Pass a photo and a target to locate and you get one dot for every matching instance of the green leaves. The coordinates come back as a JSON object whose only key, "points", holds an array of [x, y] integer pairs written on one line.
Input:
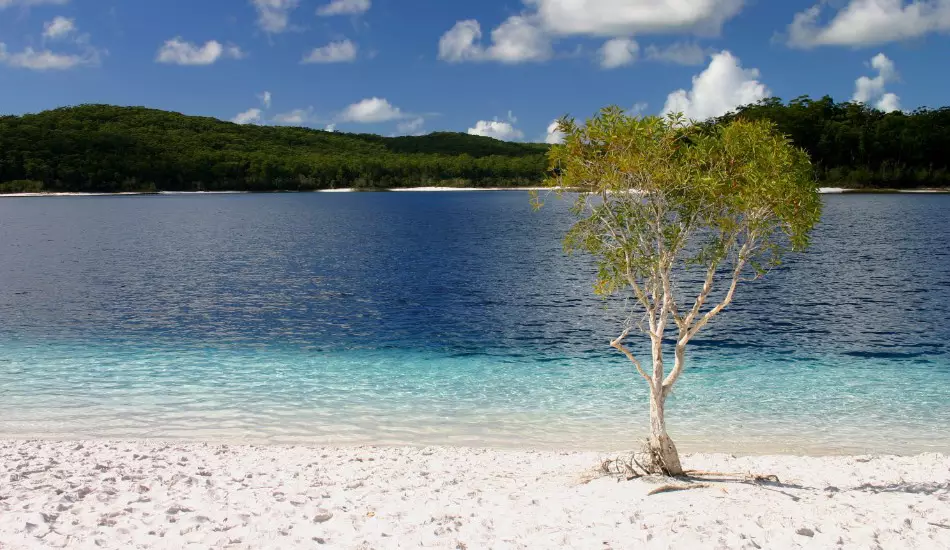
{"points": [[655, 195]]}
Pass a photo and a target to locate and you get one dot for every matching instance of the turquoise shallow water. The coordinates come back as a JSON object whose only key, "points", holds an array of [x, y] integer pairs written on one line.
{"points": [[448, 319]]}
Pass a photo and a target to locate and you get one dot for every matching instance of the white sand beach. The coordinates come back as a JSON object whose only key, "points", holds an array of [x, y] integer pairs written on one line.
{"points": [[176, 495]]}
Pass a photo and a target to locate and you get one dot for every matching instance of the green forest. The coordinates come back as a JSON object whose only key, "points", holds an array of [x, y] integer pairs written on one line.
{"points": [[855, 146], [102, 148]]}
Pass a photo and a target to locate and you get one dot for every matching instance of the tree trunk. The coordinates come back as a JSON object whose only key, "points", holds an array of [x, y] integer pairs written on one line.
{"points": [[664, 452]]}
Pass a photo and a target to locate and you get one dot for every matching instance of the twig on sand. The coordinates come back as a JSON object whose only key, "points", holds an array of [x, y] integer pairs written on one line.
{"points": [[671, 488], [943, 525], [757, 478]]}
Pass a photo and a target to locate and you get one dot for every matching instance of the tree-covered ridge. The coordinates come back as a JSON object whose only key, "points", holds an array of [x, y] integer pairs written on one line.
{"points": [[855, 146], [102, 148], [105, 149]]}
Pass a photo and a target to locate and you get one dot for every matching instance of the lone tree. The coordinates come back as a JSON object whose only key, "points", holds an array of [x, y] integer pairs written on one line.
{"points": [[677, 216]]}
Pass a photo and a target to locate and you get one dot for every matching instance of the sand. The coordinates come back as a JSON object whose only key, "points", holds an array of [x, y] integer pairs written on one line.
{"points": [[175, 495]]}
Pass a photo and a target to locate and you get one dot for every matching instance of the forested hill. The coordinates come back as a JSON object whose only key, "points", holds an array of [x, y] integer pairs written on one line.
{"points": [[104, 148], [855, 146]]}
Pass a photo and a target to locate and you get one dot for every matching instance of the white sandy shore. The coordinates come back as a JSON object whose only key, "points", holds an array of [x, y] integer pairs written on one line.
{"points": [[170, 495]]}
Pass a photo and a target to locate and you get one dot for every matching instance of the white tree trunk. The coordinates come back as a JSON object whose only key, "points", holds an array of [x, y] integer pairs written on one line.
{"points": [[661, 445]]}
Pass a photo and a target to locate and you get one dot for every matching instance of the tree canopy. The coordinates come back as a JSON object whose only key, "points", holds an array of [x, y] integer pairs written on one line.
{"points": [[105, 149], [677, 216], [855, 146]]}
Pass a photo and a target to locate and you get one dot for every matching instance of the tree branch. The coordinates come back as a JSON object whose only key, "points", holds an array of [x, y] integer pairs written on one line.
{"points": [[736, 276], [618, 344]]}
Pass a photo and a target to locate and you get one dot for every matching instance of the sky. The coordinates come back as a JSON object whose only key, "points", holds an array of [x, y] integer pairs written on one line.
{"points": [[502, 68]]}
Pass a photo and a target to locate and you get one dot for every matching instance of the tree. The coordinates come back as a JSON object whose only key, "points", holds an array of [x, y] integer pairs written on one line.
{"points": [[677, 216]]}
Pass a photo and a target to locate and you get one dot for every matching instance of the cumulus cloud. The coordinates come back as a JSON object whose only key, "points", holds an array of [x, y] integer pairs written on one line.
{"points": [[681, 53], [499, 129], [330, 128], [178, 52], [273, 16], [60, 27], [250, 116], [529, 36], [719, 89], [618, 52], [46, 60], [371, 110], [869, 90], [297, 117], [344, 7], [412, 126], [868, 22], [630, 17], [460, 43], [555, 135], [343, 51], [517, 40]]}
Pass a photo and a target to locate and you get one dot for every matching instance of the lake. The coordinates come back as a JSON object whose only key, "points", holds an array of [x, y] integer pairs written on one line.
{"points": [[450, 318]]}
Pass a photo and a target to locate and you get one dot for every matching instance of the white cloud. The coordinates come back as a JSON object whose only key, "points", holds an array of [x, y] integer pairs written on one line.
{"points": [[517, 40], [554, 135], [637, 109], [265, 99], [178, 52], [343, 51], [867, 90], [460, 42], [297, 117], [250, 116], [371, 110], [719, 89], [630, 17], [330, 128], [618, 52], [46, 60], [681, 53], [528, 36], [344, 7], [413, 126], [27, 3], [273, 16], [58, 28], [868, 22], [889, 103], [498, 129]]}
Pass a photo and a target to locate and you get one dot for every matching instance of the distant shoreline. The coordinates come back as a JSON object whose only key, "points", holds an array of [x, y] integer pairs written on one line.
{"points": [[822, 190]]}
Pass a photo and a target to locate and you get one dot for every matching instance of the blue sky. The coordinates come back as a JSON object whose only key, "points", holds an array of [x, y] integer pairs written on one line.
{"points": [[500, 68]]}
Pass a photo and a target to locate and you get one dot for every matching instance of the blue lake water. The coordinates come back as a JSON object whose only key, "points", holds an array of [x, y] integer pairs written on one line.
{"points": [[450, 318]]}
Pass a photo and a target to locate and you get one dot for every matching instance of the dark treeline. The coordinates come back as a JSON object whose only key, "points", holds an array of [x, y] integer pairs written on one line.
{"points": [[101, 148], [855, 146]]}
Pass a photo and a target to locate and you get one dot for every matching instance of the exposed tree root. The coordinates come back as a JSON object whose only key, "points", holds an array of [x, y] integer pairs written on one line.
{"points": [[646, 463]]}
